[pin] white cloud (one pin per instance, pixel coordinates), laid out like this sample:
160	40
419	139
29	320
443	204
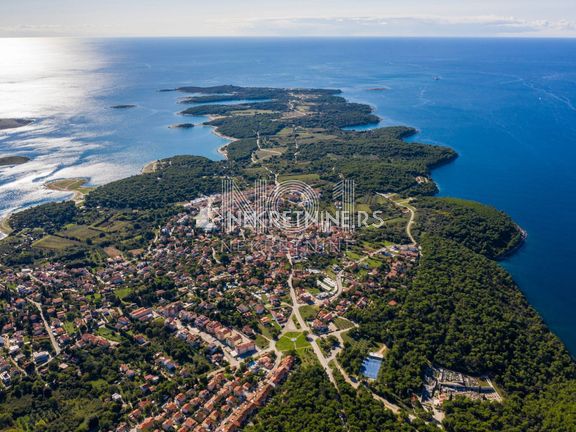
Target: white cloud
403	26
27	30
392	25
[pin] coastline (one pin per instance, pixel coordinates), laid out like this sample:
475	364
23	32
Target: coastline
74	185
5	228
517	246
222	149
523	233
150	167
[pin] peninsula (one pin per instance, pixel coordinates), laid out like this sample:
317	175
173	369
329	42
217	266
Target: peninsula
139	310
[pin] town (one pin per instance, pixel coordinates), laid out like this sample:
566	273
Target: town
238	307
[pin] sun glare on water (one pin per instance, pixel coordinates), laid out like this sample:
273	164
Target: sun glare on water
40	76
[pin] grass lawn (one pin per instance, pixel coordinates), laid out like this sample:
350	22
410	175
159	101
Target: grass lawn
292	341
308	312
115	226
99	385
307	357
273	323
105	332
271	152
69	327
374	263
363	207
255	171
329	273
261	342
123	292
396	220
353	255
346	338
94	297
265	331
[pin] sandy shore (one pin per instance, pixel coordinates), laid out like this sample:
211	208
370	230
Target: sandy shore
5	229
75	185
222	150
150	167
221	135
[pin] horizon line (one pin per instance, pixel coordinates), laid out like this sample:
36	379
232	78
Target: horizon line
289	37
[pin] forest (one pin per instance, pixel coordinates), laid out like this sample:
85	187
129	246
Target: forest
480	228
50	217
464	312
176	179
309	401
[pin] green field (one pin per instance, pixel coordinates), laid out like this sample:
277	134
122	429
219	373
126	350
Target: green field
80	232
265	330
69	327
302	177
261	342
105	332
55	242
307	357
308	312
353	255
123	292
374	263
343	323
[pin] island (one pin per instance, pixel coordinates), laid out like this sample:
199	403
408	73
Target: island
182	126
13	160
126	106
141	309
13	123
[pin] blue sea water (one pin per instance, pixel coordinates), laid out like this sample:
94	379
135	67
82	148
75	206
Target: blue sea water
508	106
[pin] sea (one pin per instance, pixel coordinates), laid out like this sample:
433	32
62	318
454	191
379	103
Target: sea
507	106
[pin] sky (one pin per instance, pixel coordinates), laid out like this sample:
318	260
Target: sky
110	18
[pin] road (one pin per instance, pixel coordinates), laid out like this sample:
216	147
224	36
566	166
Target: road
392	407
404	204
304	327
324	362
55	345
339	286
